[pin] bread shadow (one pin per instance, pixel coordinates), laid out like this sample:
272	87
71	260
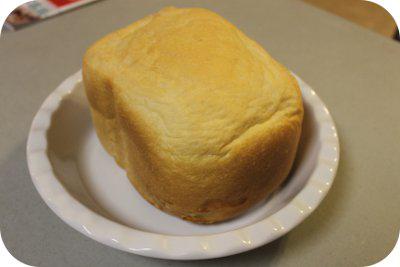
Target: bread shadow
70	125
307	145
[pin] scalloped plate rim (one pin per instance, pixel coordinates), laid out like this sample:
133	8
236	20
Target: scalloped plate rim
164	246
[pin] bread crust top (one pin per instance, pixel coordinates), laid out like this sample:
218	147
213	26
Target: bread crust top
192	83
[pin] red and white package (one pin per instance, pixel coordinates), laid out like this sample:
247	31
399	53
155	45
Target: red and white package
34	11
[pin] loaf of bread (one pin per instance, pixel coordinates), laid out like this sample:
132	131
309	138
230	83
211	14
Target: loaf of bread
204	121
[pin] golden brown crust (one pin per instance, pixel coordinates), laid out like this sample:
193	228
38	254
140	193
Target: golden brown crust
203	120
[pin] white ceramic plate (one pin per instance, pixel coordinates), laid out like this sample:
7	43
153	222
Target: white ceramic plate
83	185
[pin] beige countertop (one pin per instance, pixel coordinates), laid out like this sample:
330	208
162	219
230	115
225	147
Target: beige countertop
355	72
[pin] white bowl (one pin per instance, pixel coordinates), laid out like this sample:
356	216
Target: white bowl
83	185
